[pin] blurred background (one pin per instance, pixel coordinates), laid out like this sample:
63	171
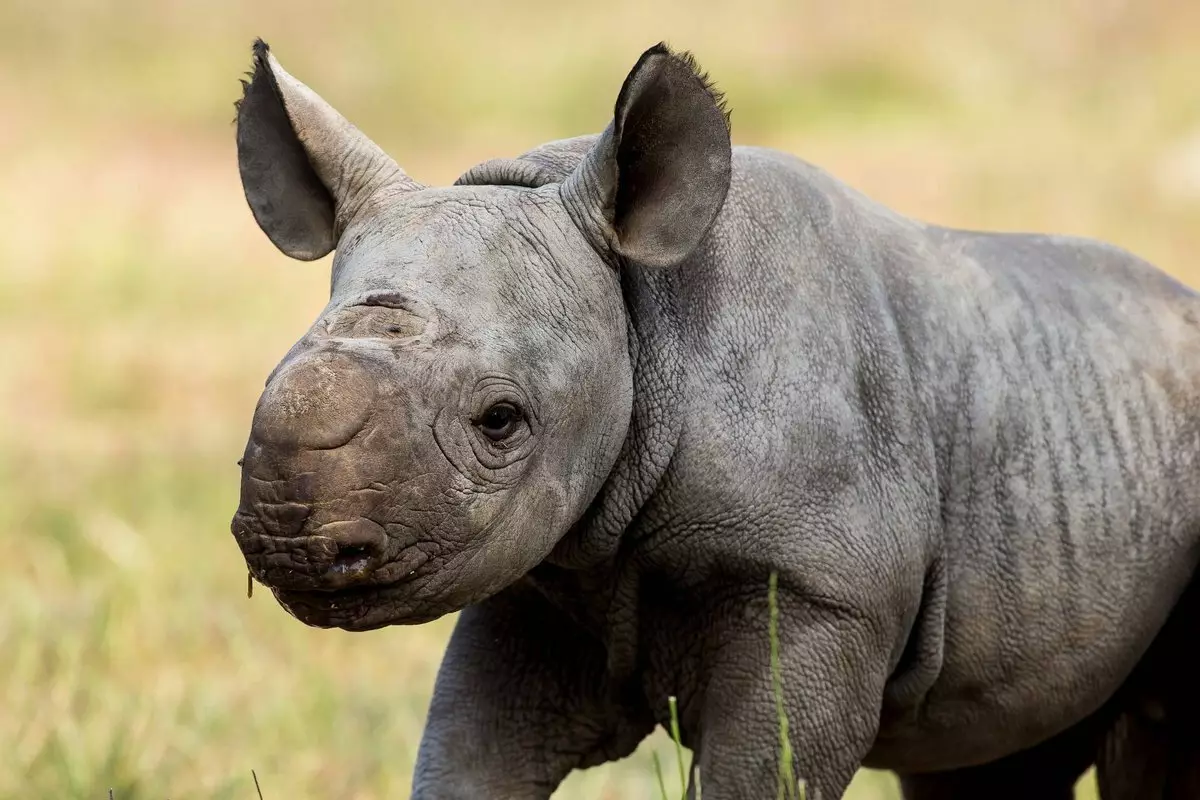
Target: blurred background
141	309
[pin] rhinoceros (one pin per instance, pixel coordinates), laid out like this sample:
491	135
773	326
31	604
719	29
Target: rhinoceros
594	396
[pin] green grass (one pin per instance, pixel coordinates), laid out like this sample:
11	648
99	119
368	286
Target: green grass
789	787
140	309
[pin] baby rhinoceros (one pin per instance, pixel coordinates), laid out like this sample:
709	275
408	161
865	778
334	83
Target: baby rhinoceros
593	396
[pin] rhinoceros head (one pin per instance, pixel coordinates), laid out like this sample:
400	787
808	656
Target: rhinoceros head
464	394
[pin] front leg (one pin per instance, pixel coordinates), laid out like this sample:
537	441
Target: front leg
833	664
521	699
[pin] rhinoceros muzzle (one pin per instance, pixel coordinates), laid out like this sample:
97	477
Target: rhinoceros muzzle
329	557
303	524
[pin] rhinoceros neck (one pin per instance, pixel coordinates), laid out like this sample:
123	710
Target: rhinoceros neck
657	361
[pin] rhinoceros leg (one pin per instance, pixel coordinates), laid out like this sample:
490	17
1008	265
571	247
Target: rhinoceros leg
521	699
833	667
1151	759
1153	750
1048	771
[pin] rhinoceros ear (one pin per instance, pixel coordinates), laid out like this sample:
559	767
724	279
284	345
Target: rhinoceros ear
306	171
652	184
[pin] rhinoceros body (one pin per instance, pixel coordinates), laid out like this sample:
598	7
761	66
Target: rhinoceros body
592	397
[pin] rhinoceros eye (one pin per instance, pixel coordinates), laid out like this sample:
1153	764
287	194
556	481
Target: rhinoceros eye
499	421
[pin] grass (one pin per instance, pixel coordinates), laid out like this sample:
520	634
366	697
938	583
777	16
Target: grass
140	309
788	786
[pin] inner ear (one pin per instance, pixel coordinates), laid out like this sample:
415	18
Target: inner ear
288	199
673	158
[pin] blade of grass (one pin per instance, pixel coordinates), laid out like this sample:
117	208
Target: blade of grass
786	785
678	744
662	785
257	788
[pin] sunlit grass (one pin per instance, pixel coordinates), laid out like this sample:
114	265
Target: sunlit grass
140	310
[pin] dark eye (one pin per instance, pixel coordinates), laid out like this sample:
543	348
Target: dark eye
500	421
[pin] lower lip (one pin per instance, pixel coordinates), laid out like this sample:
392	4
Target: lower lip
329	609
348	609
333	598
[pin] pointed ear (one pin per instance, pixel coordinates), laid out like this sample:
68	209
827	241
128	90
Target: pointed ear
651	186
306	171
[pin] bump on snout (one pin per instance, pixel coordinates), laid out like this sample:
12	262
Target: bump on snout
318	402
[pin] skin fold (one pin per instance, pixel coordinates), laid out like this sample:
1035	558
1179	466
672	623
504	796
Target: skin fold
593	396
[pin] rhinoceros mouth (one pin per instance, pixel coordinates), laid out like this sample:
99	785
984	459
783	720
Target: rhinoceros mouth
326	607
360	608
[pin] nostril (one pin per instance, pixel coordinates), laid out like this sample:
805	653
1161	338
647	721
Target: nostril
355	549
352	558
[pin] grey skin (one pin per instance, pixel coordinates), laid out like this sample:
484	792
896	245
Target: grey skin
591	397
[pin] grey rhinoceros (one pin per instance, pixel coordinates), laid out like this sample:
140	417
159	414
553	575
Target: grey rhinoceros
593	396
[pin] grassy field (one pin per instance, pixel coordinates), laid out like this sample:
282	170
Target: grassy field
141	309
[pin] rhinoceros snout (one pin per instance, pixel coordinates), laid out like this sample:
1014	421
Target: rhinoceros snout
299	523
317	402
333	556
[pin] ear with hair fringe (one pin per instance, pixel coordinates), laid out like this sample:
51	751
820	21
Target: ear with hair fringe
306	171
653	183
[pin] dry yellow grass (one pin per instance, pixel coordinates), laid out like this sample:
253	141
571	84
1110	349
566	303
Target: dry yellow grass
140	309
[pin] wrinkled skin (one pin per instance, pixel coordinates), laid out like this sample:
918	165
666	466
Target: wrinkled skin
418	495
593	396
